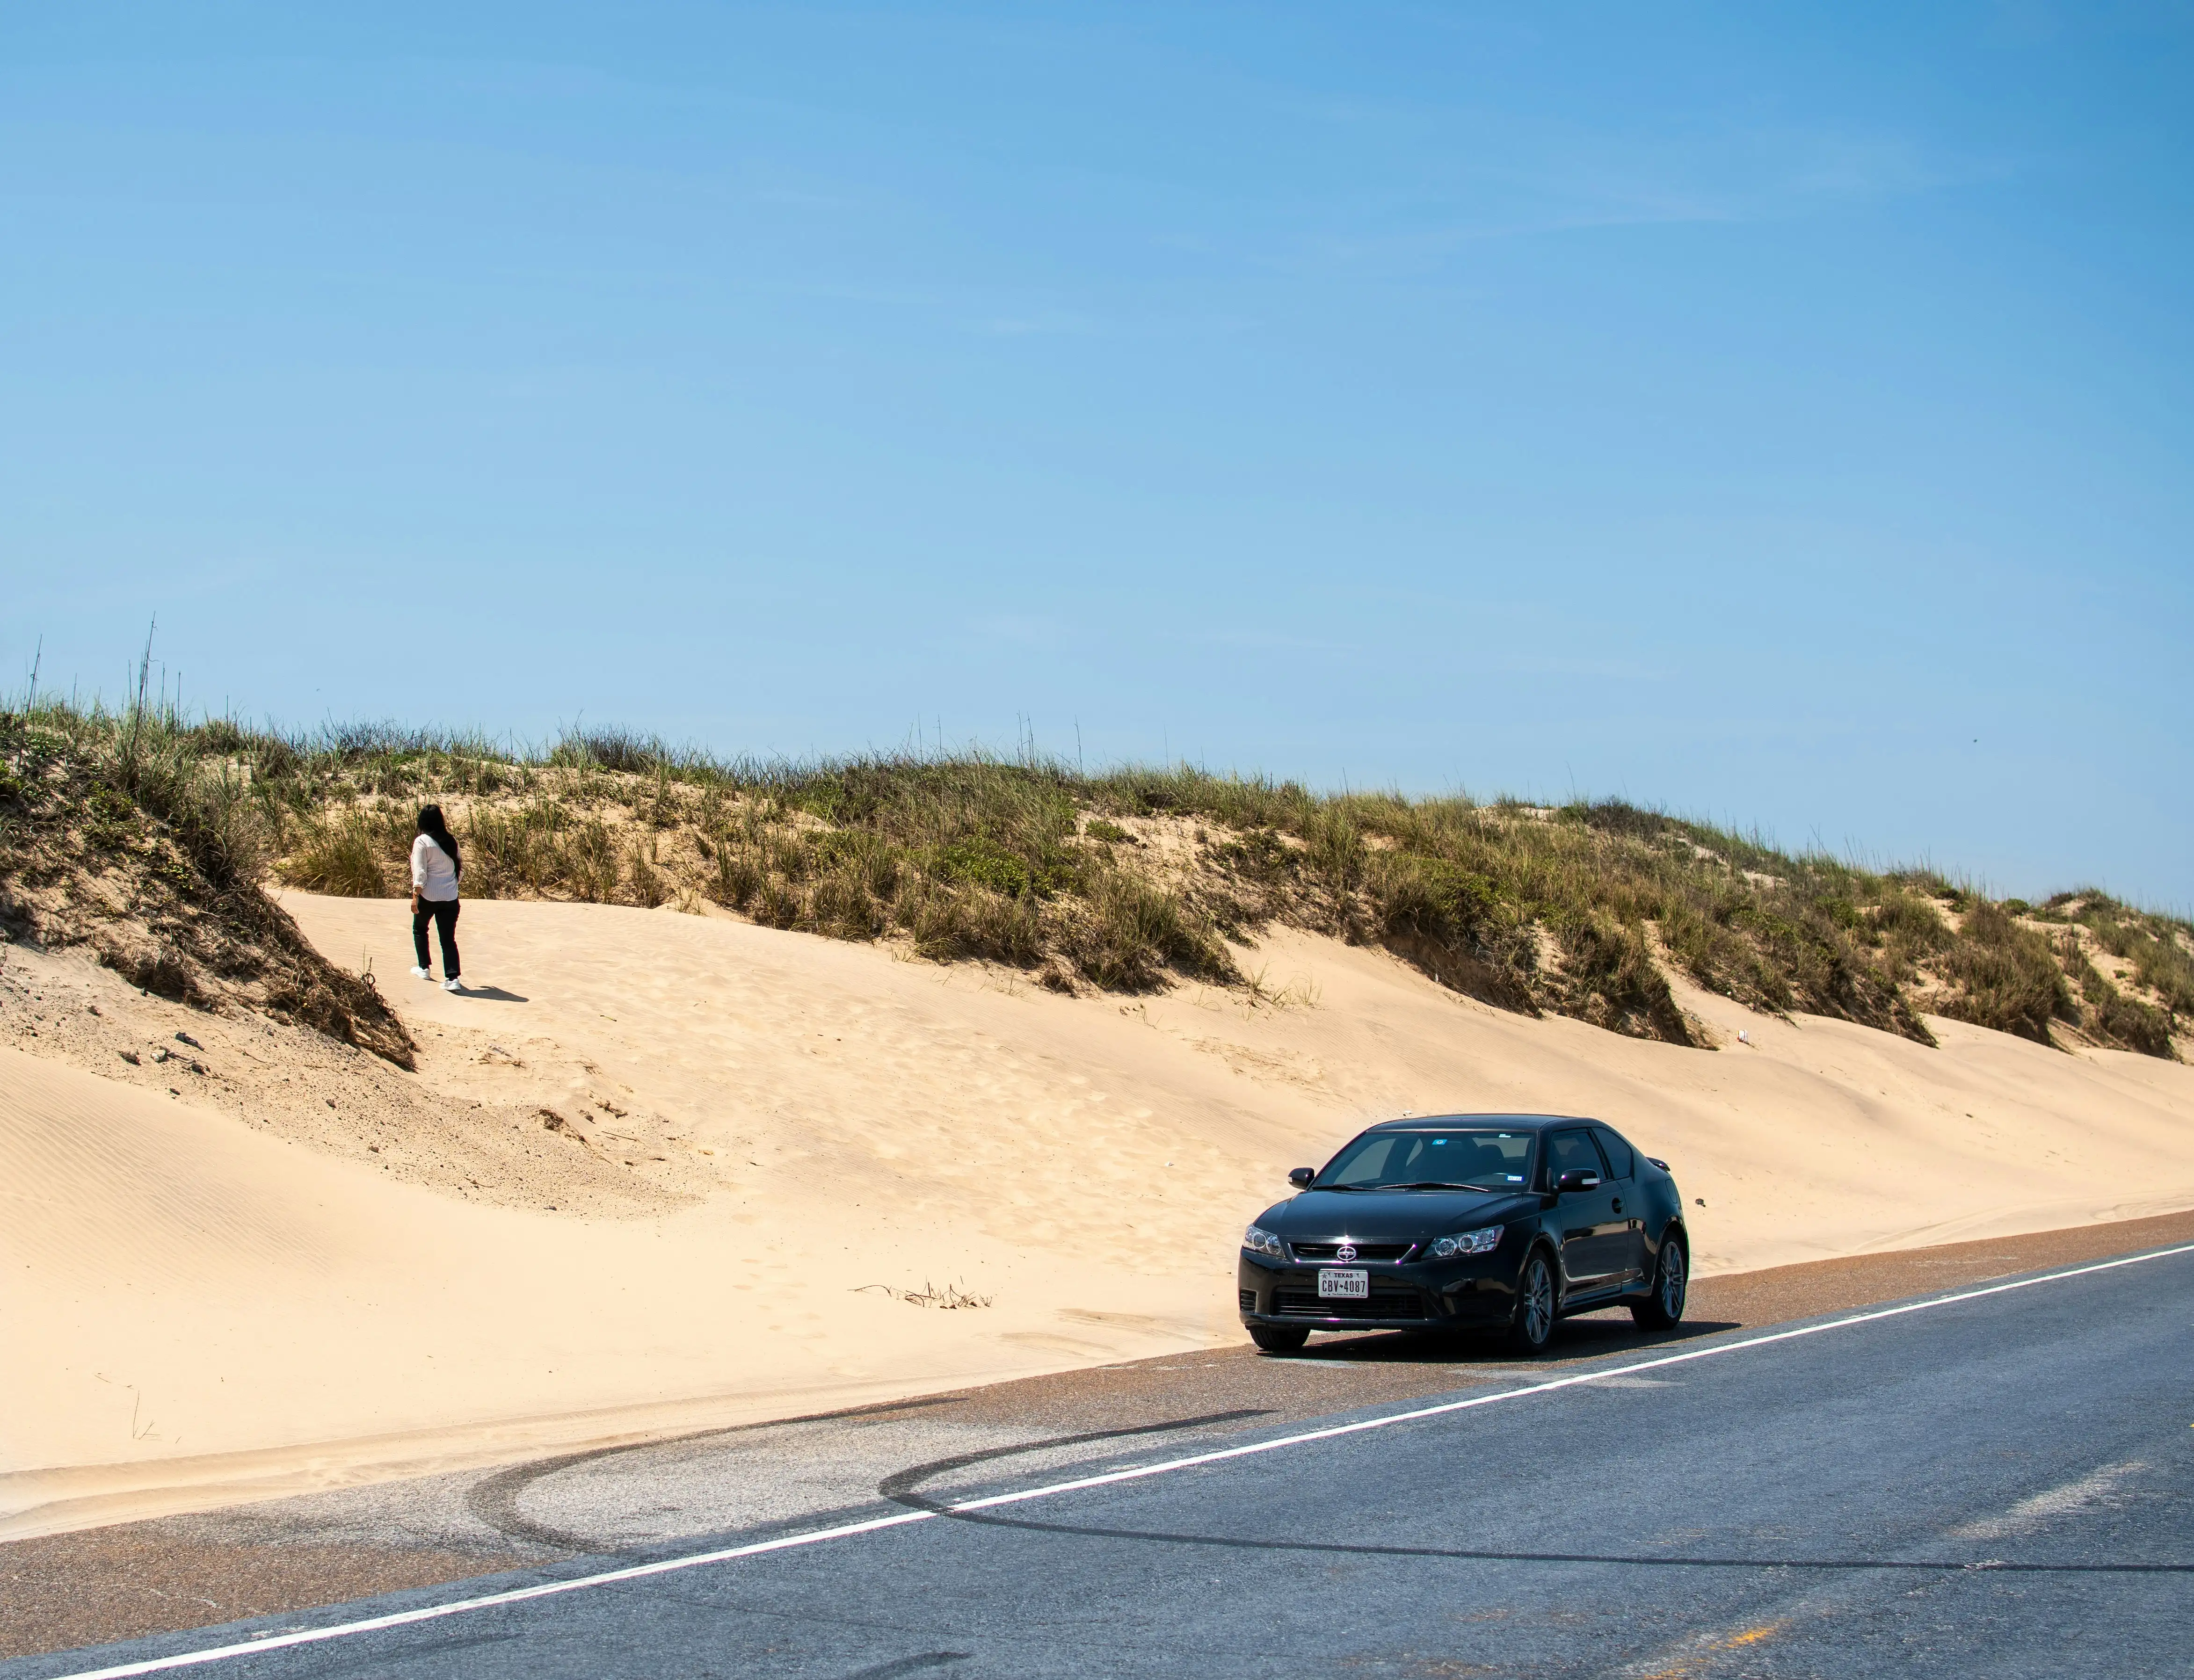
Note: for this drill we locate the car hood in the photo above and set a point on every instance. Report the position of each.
(1389, 1216)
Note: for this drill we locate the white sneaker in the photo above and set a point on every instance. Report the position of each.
(453, 984)
(418, 974)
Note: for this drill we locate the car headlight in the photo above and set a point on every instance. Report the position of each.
(1259, 1241)
(1484, 1242)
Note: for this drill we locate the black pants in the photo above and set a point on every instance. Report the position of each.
(443, 915)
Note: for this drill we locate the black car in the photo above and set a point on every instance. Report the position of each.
(1468, 1222)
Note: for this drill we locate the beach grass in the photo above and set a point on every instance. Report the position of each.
(1128, 879)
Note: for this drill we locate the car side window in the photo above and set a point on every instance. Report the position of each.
(1573, 1151)
(1620, 1164)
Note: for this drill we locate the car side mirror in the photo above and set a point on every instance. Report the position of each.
(1301, 1175)
(1576, 1178)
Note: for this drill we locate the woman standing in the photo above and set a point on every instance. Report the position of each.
(435, 867)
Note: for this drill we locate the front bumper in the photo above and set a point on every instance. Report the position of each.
(1474, 1292)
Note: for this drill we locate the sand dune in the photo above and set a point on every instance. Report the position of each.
(654, 1178)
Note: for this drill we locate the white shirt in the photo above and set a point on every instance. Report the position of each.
(434, 876)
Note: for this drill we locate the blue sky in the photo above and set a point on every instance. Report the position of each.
(1780, 414)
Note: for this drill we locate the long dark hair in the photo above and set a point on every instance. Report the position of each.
(436, 829)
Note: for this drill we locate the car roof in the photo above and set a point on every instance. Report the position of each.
(1510, 1122)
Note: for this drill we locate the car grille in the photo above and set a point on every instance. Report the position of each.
(1391, 1302)
(1364, 1251)
(1249, 1300)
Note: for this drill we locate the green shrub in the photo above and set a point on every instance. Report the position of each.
(841, 904)
(775, 905)
(221, 738)
(739, 876)
(2072, 961)
(787, 855)
(1907, 923)
(2007, 976)
(1840, 912)
(1133, 931)
(1430, 897)
(590, 864)
(339, 856)
(1614, 983)
(2114, 1017)
(110, 819)
(644, 881)
(514, 851)
(973, 921)
(980, 861)
(1336, 852)
(2163, 965)
(618, 750)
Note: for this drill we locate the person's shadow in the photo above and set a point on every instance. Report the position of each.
(493, 994)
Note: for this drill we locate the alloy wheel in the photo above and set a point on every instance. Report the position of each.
(1674, 1276)
(1538, 1302)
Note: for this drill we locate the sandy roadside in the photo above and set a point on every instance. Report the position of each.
(207, 1310)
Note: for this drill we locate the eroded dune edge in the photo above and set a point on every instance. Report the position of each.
(672, 1171)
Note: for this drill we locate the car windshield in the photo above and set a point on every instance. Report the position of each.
(1469, 1159)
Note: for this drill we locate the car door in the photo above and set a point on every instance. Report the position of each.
(1592, 1244)
(1628, 1245)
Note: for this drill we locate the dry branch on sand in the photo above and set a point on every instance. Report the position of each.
(952, 1298)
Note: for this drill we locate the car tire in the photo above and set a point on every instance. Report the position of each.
(1537, 1300)
(1663, 1309)
(1277, 1337)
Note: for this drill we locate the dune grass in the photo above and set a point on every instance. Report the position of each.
(148, 839)
(1129, 878)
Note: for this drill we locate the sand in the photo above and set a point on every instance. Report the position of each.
(237, 1289)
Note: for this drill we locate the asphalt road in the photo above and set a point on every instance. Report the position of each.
(1998, 1485)
(289, 1556)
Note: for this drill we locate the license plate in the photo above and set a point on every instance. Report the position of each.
(1344, 1286)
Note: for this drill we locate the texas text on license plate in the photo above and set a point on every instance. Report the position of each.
(1344, 1286)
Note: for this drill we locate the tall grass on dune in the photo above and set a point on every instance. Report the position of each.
(148, 838)
(1129, 878)
(338, 853)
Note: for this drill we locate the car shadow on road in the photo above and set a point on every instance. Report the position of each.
(1585, 1337)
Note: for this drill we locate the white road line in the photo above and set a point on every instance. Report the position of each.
(1630, 1370)
(847, 1531)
